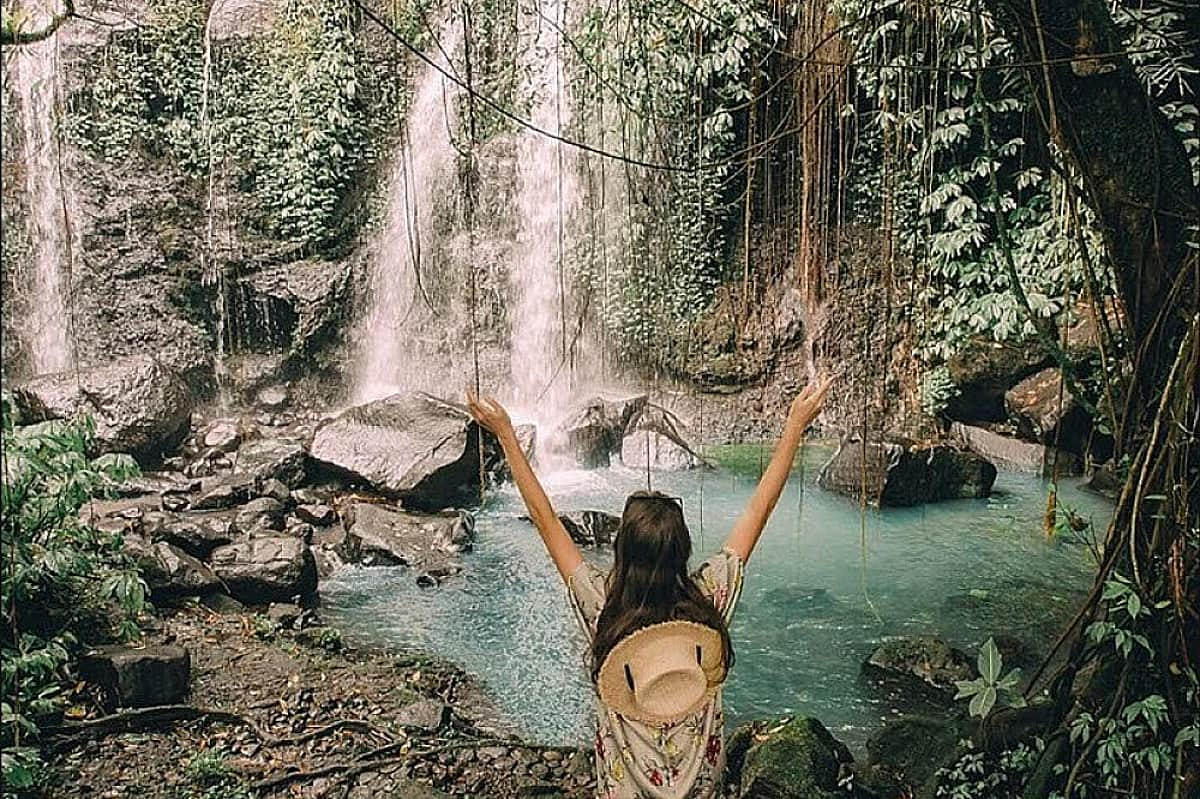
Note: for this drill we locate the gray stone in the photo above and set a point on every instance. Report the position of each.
(273, 458)
(320, 515)
(424, 714)
(222, 603)
(275, 490)
(259, 515)
(196, 534)
(653, 437)
(138, 676)
(593, 431)
(410, 446)
(223, 435)
(1013, 453)
(224, 492)
(139, 405)
(900, 473)
(179, 574)
(1044, 410)
(376, 535)
(264, 570)
(591, 527)
(284, 614)
(983, 371)
(924, 658)
(799, 760)
(273, 398)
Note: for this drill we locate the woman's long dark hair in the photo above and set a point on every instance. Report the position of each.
(649, 582)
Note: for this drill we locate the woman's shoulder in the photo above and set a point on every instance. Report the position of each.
(720, 579)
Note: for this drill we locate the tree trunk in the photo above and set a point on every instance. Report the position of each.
(1137, 178)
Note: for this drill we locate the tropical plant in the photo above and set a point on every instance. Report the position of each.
(990, 689)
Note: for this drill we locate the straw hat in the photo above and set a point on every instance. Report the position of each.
(663, 673)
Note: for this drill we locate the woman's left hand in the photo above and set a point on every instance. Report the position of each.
(489, 413)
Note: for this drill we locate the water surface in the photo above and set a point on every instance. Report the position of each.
(826, 584)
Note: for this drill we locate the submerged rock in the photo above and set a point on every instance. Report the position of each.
(899, 473)
(411, 446)
(924, 658)
(798, 760)
(139, 406)
(264, 570)
(141, 676)
(591, 527)
(376, 535)
(594, 431)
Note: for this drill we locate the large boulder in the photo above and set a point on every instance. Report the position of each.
(798, 760)
(912, 749)
(595, 429)
(264, 570)
(925, 659)
(982, 371)
(1044, 410)
(377, 535)
(141, 676)
(414, 447)
(1012, 453)
(139, 405)
(899, 473)
(197, 534)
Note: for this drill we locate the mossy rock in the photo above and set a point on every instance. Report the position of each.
(799, 760)
(913, 748)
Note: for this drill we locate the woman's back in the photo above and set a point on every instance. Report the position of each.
(668, 761)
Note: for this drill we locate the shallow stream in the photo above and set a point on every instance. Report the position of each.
(825, 585)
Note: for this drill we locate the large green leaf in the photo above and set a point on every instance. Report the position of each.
(990, 661)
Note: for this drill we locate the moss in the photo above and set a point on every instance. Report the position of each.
(800, 759)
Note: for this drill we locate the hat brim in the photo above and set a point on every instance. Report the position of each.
(615, 691)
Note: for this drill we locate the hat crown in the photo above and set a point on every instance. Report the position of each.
(663, 673)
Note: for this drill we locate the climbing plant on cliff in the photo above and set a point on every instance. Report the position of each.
(295, 117)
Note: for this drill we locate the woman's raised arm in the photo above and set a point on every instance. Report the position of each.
(563, 552)
(750, 526)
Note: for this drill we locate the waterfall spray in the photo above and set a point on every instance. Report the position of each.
(35, 72)
(389, 362)
(547, 194)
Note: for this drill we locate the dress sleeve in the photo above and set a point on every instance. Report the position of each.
(720, 579)
(585, 592)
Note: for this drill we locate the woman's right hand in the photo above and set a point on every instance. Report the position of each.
(807, 404)
(489, 413)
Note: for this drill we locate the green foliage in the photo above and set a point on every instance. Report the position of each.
(937, 389)
(990, 688)
(977, 775)
(64, 583)
(1130, 746)
(209, 776)
(675, 81)
(294, 117)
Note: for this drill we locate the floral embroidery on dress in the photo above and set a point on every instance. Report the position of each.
(638, 761)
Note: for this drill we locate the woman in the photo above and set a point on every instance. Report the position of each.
(658, 634)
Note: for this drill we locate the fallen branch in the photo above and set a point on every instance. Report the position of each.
(136, 719)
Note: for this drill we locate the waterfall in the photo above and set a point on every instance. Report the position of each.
(34, 69)
(547, 193)
(390, 359)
